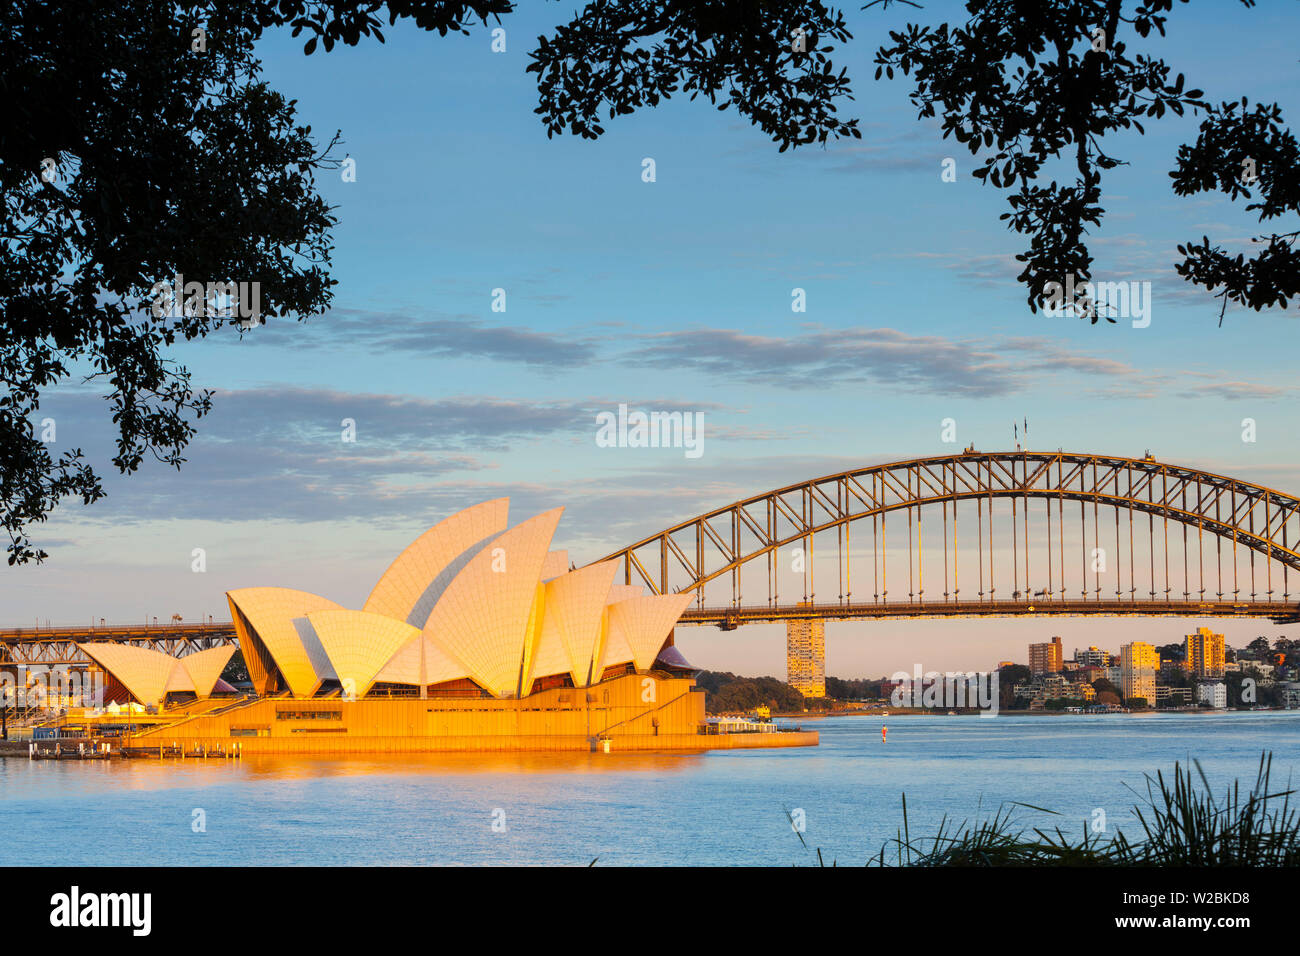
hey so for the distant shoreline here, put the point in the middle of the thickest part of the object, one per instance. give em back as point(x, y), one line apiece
point(940, 712)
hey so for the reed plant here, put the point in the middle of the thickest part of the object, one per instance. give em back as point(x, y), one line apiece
point(1181, 823)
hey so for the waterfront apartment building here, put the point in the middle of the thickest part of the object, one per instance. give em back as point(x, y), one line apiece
point(1215, 694)
point(1055, 687)
point(1092, 657)
point(805, 656)
point(1204, 653)
point(1173, 696)
point(1138, 664)
point(1260, 671)
point(1289, 695)
point(1046, 658)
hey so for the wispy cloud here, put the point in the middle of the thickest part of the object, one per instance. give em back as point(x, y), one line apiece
point(305, 454)
point(1237, 391)
point(435, 335)
point(891, 359)
point(880, 356)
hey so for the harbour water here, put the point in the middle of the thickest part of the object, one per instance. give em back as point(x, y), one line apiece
point(722, 808)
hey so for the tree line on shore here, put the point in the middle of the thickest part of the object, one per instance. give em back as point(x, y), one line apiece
point(726, 693)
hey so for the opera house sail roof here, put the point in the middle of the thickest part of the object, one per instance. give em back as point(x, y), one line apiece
point(473, 603)
point(149, 676)
point(479, 637)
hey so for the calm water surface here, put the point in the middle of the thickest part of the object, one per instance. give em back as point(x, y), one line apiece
point(715, 808)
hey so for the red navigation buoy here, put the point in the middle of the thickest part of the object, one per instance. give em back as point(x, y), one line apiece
point(883, 730)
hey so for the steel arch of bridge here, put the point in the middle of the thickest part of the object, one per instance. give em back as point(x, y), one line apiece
point(717, 545)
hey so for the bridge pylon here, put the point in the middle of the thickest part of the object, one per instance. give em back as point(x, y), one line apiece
point(805, 655)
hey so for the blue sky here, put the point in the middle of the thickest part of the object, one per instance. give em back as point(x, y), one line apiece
point(674, 294)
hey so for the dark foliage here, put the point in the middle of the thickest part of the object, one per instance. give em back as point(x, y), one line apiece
point(1026, 82)
point(769, 59)
point(841, 689)
point(728, 694)
point(236, 669)
point(1182, 825)
point(1239, 149)
point(1032, 88)
point(130, 156)
point(1008, 677)
point(141, 144)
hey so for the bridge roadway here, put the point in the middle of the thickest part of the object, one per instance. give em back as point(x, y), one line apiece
point(57, 645)
point(728, 618)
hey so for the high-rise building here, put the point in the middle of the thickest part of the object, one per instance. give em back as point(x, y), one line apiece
point(1138, 663)
point(1092, 657)
point(1046, 658)
point(1204, 653)
point(805, 656)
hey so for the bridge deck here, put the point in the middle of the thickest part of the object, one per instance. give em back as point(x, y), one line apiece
point(1278, 611)
point(119, 632)
point(58, 644)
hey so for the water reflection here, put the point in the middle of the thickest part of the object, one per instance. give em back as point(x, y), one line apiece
point(290, 767)
point(723, 807)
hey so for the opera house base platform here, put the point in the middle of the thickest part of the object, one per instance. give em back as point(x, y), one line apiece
point(630, 713)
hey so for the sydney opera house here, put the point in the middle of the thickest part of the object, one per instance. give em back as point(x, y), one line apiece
point(477, 637)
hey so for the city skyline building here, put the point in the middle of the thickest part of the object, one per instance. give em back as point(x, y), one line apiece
point(1204, 653)
point(1214, 693)
point(1046, 658)
point(1139, 662)
point(1093, 656)
point(805, 656)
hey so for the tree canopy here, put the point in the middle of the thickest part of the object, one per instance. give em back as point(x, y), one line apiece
point(1032, 88)
point(728, 694)
point(142, 145)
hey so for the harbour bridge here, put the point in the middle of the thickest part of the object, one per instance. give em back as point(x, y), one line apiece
point(993, 534)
